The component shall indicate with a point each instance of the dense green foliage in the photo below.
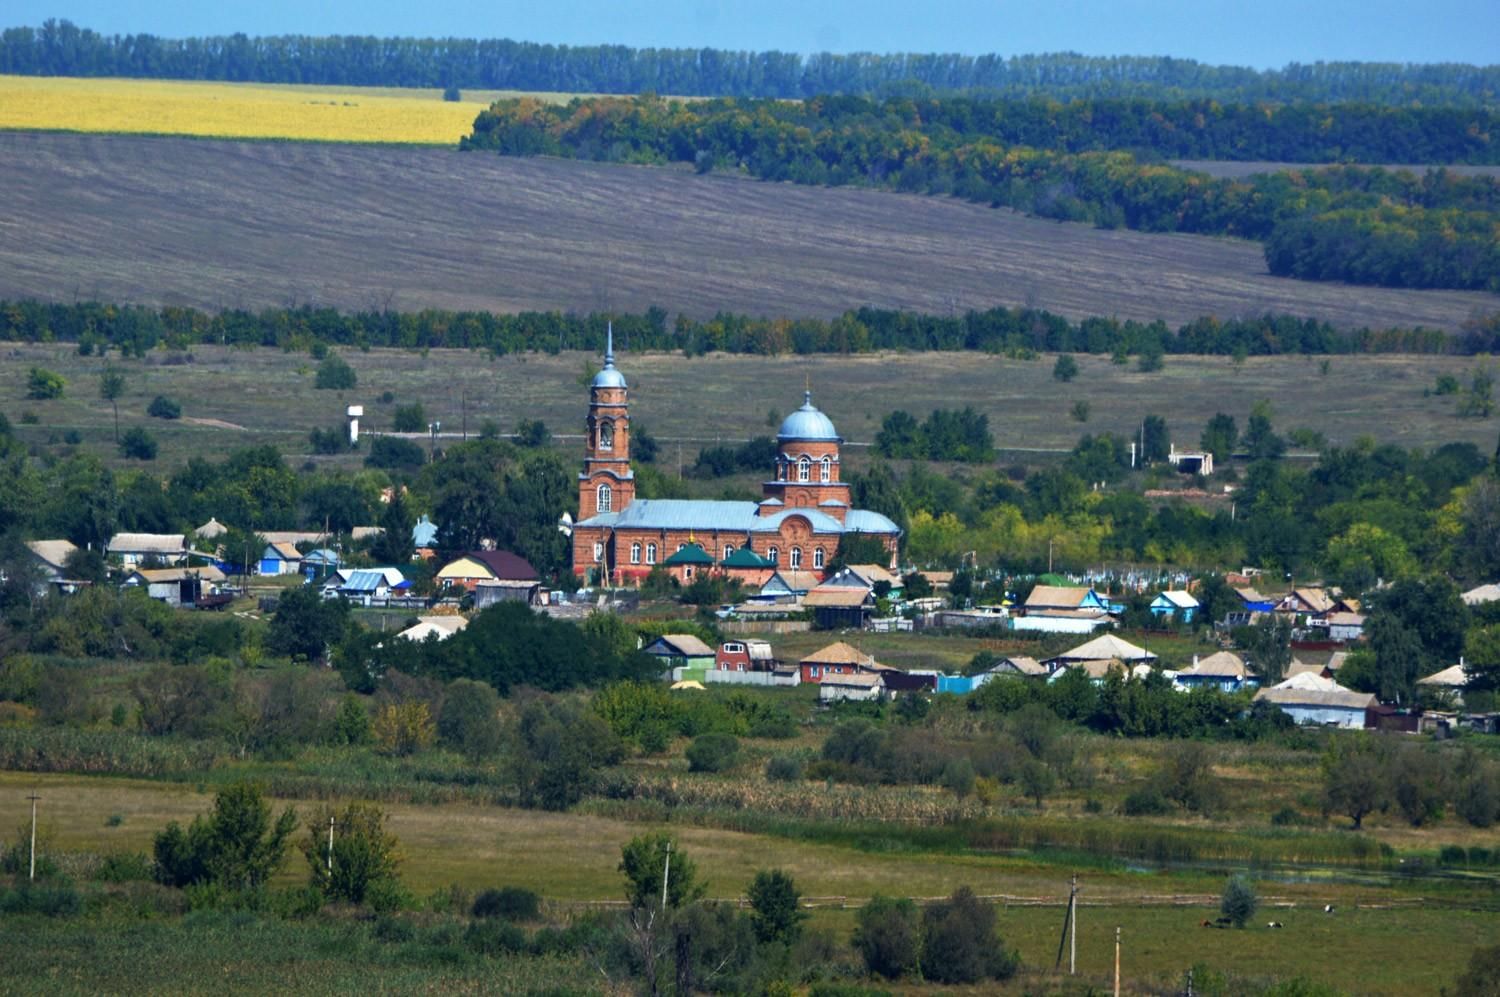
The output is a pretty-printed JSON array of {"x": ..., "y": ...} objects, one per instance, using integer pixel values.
[
  {"x": 236, "y": 846},
  {"x": 948, "y": 146},
  {"x": 59, "y": 48},
  {"x": 944, "y": 435},
  {"x": 135, "y": 330}
]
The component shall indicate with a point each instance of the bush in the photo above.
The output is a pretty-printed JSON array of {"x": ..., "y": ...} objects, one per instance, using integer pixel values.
[
  {"x": 364, "y": 852},
  {"x": 887, "y": 937},
  {"x": 452, "y": 95},
  {"x": 713, "y": 753},
  {"x": 494, "y": 938},
  {"x": 784, "y": 768},
  {"x": 1482, "y": 977},
  {"x": 1239, "y": 902},
  {"x": 394, "y": 453},
  {"x": 124, "y": 867},
  {"x": 1066, "y": 368},
  {"x": 42, "y": 384},
  {"x": 51, "y": 900},
  {"x": 773, "y": 898},
  {"x": 137, "y": 444},
  {"x": 409, "y": 418},
  {"x": 512, "y": 903},
  {"x": 162, "y": 407},
  {"x": 1146, "y": 802},
  {"x": 328, "y": 441},
  {"x": 959, "y": 944},
  {"x": 336, "y": 375}
]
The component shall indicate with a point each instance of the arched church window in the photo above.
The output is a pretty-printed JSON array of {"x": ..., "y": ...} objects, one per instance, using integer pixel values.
[
  {"x": 606, "y": 435},
  {"x": 606, "y": 498},
  {"x": 825, "y": 471},
  {"x": 635, "y": 553},
  {"x": 728, "y": 549},
  {"x": 818, "y": 558},
  {"x": 773, "y": 554},
  {"x": 804, "y": 469},
  {"x": 796, "y": 557},
  {"x": 651, "y": 553}
]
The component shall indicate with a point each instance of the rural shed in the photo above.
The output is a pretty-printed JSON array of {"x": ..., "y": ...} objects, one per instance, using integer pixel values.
[
  {"x": 681, "y": 651},
  {"x": 280, "y": 558},
  {"x": 1324, "y": 707},
  {"x": 176, "y": 586},
  {"x": 858, "y": 688},
  {"x": 135, "y": 548}
]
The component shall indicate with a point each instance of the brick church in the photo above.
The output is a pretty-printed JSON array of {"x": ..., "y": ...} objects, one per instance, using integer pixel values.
[{"x": 618, "y": 538}]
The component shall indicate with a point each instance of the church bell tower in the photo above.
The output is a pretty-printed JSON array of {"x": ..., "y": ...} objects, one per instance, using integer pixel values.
[{"x": 607, "y": 484}]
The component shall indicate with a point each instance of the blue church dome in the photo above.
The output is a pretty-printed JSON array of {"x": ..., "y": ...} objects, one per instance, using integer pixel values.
[
  {"x": 609, "y": 377},
  {"x": 807, "y": 423}
]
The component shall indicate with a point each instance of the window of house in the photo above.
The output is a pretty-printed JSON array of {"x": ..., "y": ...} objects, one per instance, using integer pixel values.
[
  {"x": 796, "y": 559},
  {"x": 651, "y": 553},
  {"x": 804, "y": 469},
  {"x": 687, "y": 572},
  {"x": 635, "y": 553},
  {"x": 606, "y": 435},
  {"x": 773, "y": 554},
  {"x": 606, "y": 498},
  {"x": 825, "y": 470},
  {"x": 598, "y": 553},
  {"x": 817, "y": 557}
]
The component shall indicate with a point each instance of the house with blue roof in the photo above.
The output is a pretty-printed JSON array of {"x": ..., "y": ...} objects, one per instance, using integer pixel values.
[
  {"x": 424, "y": 534},
  {"x": 1174, "y": 605},
  {"x": 804, "y": 511}
]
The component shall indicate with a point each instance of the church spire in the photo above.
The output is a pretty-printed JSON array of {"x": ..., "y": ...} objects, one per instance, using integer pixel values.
[{"x": 609, "y": 345}]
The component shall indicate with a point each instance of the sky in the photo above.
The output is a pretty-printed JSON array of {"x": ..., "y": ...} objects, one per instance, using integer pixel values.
[{"x": 1259, "y": 33}]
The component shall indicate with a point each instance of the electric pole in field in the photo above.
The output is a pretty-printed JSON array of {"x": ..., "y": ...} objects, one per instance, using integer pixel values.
[
  {"x": 330, "y": 847},
  {"x": 1069, "y": 937},
  {"x": 666, "y": 874},
  {"x": 1117, "y": 962},
  {"x": 31, "y": 873}
]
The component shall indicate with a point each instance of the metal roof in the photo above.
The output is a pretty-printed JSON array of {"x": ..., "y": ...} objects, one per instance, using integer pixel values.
[
  {"x": 364, "y": 581},
  {"x": 807, "y": 423},
  {"x": 609, "y": 377},
  {"x": 739, "y": 517},
  {"x": 691, "y": 554}
]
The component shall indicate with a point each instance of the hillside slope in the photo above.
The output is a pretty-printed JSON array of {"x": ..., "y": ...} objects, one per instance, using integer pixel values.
[{"x": 231, "y": 224}]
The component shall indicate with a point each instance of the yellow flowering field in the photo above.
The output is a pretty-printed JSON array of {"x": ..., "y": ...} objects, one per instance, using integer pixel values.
[{"x": 239, "y": 110}]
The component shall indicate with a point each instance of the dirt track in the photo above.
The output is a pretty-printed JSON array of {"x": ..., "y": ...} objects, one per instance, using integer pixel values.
[{"x": 230, "y": 224}]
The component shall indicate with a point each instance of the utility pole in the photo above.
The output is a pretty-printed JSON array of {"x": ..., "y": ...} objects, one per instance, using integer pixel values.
[
  {"x": 463, "y": 404},
  {"x": 1073, "y": 926},
  {"x": 1117, "y": 962},
  {"x": 330, "y": 839},
  {"x": 666, "y": 875},
  {"x": 31, "y": 875}
]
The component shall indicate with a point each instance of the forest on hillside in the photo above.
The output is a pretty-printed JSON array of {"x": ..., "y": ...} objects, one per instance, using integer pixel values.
[
  {"x": 136, "y": 329},
  {"x": 1363, "y": 225},
  {"x": 61, "y": 48}
]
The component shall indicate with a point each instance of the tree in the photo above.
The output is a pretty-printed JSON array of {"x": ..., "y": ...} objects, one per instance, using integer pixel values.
[
  {"x": 403, "y": 728},
  {"x": 1239, "y": 902},
  {"x": 959, "y": 942},
  {"x": 1156, "y": 442},
  {"x": 555, "y": 751},
  {"x": 643, "y": 862},
  {"x": 470, "y": 719},
  {"x": 1268, "y": 645},
  {"x": 111, "y": 387},
  {"x": 335, "y": 375},
  {"x": 773, "y": 902},
  {"x": 1220, "y": 436},
  {"x": 532, "y": 433},
  {"x": 713, "y": 753},
  {"x": 306, "y": 625},
  {"x": 1354, "y": 782},
  {"x": 394, "y": 544},
  {"x": 1482, "y": 658},
  {"x": 409, "y": 418},
  {"x": 1081, "y": 410},
  {"x": 364, "y": 853},
  {"x": 900, "y": 436},
  {"x": 887, "y": 936},
  {"x": 1482, "y": 977},
  {"x": 162, "y": 407},
  {"x": 236, "y": 845},
  {"x": 1036, "y": 781},
  {"x": 392, "y": 453},
  {"x": 1260, "y": 440},
  {"x": 137, "y": 444},
  {"x": 42, "y": 384},
  {"x": 1065, "y": 369}
]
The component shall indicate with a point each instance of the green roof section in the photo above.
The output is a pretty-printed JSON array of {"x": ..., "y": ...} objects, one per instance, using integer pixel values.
[
  {"x": 691, "y": 554},
  {"x": 744, "y": 557}
]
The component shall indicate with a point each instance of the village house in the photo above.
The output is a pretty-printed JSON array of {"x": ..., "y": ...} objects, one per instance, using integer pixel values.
[
  {"x": 751, "y": 662},
  {"x": 837, "y": 607},
  {"x": 786, "y": 585},
  {"x": 468, "y": 571},
  {"x": 1174, "y": 605},
  {"x": 838, "y": 659},
  {"x": 1482, "y": 594},
  {"x": 424, "y": 536},
  {"x": 1063, "y": 609},
  {"x": 178, "y": 587},
  {"x": 1107, "y": 648},
  {"x": 366, "y": 586},
  {"x": 858, "y": 687},
  {"x": 52, "y": 562},
  {"x": 1225, "y": 671},
  {"x": 1313, "y": 700},
  {"x": 434, "y": 627},
  {"x": 280, "y": 559},
  {"x": 804, "y": 511},
  {"x": 1451, "y": 680},
  {"x": 682, "y": 656},
  {"x": 1345, "y": 627},
  {"x": 132, "y": 549}
]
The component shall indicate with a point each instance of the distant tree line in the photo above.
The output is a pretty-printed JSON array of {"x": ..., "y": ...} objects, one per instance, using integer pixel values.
[
  {"x": 134, "y": 330},
  {"x": 948, "y": 146},
  {"x": 60, "y": 48},
  {"x": 944, "y": 435}
]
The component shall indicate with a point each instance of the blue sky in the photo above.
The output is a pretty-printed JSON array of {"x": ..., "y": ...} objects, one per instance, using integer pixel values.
[{"x": 1261, "y": 33}]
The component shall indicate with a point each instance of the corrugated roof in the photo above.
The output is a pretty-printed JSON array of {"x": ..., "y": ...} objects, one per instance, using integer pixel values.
[
  {"x": 835, "y": 596},
  {"x": 1022, "y": 664},
  {"x": 744, "y": 557},
  {"x": 211, "y": 529},
  {"x": 285, "y": 551},
  {"x": 424, "y": 532},
  {"x": 1070, "y": 597},
  {"x": 1180, "y": 599},
  {"x": 1224, "y": 664},
  {"x": 839, "y": 653},
  {"x": 1106, "y": 646},
  {"x": 1482, "y": 594},
  {"x": 1339, "y": 698},
  {"x": 207, "y": 573},
  {"x": 502, "y": 565},
  {"x": 1453, "y": 677},
  {"x": 691, "y": 554},
  {"x": 740, "y": 517},
  {"x": 364, "y": 581},
  {"x": 856, "y": 679},
  {"x": 54, "y": 552},
  {"x": 686, "y": 645},
  {"x": 147, "y": 543}
]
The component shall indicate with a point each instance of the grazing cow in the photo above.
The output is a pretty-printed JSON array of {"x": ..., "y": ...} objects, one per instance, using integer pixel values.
[
  {"x": 1328, "y": 908},
  {"x": 1273, "y": 924}
]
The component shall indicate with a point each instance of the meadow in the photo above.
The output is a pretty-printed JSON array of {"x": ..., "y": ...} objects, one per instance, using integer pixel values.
[
  {"x": 219, "y": 224},
  {"x": 291, "y": 112},
  {"x": 232, "y": 398}
]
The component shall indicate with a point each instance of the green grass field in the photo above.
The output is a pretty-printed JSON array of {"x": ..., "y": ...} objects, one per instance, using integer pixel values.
[{"x": 233, "y": 398}]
